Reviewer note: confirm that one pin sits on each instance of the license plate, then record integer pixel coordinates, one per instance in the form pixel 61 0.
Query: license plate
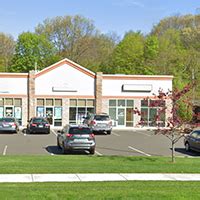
pixel 79 140
pixel 40 126
pixel 5 125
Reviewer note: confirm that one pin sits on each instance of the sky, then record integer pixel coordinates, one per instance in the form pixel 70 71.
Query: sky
pixel 119 16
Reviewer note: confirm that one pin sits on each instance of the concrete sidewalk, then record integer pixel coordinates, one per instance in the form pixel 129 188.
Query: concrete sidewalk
pixel 25 178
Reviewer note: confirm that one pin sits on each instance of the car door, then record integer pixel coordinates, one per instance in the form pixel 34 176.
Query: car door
pixel 192 139
pixel 197 141
pixel 60 137
pixel 63 135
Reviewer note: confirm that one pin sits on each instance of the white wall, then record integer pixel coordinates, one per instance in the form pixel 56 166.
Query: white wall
pixel 13 86
pixel 114 87
pixel 65 77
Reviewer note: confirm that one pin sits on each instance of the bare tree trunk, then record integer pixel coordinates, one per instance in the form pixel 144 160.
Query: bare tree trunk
pixel 173 148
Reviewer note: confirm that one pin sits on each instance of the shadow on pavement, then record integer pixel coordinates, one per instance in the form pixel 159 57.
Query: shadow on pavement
pixel 187 153
pixel 57 151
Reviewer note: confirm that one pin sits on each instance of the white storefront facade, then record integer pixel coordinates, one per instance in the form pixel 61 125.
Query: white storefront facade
pixel 65 92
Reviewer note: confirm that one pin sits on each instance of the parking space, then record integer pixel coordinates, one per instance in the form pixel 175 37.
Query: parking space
pixel 120 142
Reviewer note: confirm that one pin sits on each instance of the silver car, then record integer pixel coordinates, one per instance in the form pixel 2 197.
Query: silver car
pixel 9 124
pixel 99 123
pixel 76 137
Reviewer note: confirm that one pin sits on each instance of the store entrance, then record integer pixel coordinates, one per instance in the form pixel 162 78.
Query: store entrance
pixel 49 114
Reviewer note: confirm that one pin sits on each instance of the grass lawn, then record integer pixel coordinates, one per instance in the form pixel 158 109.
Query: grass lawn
pixel 102 190
pixel 96 164
pixel 99 190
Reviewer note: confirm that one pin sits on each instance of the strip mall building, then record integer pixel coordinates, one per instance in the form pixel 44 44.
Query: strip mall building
pixel 65 92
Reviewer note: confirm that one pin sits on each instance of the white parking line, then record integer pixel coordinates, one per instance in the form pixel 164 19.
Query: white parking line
pixel 115 134
pixel 99 154
pixel 146 154
pixel 145 134
pixel 54 132
pixel 5 149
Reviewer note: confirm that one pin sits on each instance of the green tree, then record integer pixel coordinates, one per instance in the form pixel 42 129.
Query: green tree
pixel 76 38
pixel 32 50
pixel 128 56
pixel 7 48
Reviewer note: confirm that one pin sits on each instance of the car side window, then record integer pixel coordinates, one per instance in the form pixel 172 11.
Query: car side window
pixel 198 135
pixel 194 134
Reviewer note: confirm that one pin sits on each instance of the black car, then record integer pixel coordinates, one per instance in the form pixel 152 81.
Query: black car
pixel 76 137
pixel 192 141
pixel 9 124
pixel 38 125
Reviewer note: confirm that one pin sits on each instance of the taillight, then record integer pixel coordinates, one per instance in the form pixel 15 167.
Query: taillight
pixel 93 122
pixel 34 125
pixel 110 123
pixel 13 124
pixel 91 136
pixel 47 125
pixel 69 135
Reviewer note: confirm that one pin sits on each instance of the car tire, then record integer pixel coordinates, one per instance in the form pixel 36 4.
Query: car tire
pixel 58 144
pixel 64 151
pixel 92 151
pixel 108 132
pixel 187 146
pixel 27 131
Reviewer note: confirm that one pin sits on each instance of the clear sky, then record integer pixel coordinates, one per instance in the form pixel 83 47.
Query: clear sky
pixel 120 16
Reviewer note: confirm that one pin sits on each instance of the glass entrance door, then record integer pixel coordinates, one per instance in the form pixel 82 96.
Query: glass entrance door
pixel 121 116
pixel 9 111
pixel 49 114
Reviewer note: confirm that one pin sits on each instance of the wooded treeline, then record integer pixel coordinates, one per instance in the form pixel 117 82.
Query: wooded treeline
pixel 171 48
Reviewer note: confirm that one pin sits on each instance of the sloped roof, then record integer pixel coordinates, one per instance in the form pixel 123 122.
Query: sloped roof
pixel 68 62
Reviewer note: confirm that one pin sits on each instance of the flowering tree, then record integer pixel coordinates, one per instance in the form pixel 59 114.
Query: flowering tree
pixel 174 123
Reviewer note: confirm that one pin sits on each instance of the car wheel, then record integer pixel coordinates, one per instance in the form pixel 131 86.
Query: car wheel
pixel 64 151
pixel 27 131
pixel 58 144
pixel 92 151
pixel 187 146
pixel 108 132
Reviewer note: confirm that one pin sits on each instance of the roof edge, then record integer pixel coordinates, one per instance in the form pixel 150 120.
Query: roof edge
pixel 65 61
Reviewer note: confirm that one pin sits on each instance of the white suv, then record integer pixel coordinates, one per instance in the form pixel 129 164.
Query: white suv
pixel 99 123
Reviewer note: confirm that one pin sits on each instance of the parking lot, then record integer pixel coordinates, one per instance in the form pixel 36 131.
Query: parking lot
pixel 120 142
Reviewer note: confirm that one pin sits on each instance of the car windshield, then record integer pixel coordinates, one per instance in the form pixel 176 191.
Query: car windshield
pixel 39 120
pixel 7 120
pixel 79 130
pixel 101 117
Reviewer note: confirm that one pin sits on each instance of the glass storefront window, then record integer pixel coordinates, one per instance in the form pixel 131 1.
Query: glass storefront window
pixel 58 102
pixel 121 103
pixel 82 102
pixel 73 102
pixel 152 117
pixel 40 111
pixel 144 102
pixel 1 111
pixel 49 102
pixel 90 111
pixel 130 103
pixel 80 108
pixel 121 112
pixel 1 101
pixel 90 102
pixel 8 101
pixel 40 102
pixel 17 102
pixel 72 115
pixel 112 103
